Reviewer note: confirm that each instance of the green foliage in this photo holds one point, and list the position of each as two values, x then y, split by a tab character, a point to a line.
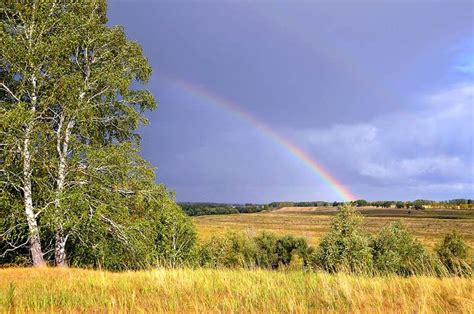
288	248
69	118
197	209
176	237
266	250
126	246
200	209
361	203
387	204
297	204
453	253
250	208
345	247
152	230
274	251
396	251
418	204
231	250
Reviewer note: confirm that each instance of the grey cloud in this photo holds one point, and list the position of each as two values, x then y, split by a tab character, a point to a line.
433	143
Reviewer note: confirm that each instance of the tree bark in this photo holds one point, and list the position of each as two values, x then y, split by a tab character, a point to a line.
35	240
62	146
60	249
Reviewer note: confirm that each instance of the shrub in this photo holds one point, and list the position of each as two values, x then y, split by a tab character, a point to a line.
230	250
345	247
288	247
396	251
273	251
360	203
99	249
160	234
453	254
418	205
175	237
267	256
236	250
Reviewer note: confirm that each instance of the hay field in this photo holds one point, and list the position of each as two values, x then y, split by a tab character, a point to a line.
51	290
429	226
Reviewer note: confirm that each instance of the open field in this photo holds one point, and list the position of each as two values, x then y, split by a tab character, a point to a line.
429	226
185	290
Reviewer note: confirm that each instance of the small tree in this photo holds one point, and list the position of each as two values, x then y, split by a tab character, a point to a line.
360	203
453	253
287	247
345	247
418	205
396	251
267	256
387	204
399	204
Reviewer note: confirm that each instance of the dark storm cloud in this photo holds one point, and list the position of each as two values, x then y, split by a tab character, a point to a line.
365	87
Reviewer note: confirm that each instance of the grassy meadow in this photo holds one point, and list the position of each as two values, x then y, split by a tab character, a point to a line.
202	290
429	225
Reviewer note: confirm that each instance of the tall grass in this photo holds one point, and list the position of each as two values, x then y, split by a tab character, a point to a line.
206	290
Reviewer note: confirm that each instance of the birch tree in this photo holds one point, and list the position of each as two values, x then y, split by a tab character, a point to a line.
98	107
69	141
31	40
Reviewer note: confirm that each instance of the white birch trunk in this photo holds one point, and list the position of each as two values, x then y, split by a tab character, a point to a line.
62	146
26	151
35	239
60	248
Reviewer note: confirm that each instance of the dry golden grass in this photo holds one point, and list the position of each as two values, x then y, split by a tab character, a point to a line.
428	226
215	291
26	290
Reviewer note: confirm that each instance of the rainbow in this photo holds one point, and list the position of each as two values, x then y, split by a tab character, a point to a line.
294	150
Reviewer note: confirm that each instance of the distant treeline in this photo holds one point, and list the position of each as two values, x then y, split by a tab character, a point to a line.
274	205
199	209
416	204
420	204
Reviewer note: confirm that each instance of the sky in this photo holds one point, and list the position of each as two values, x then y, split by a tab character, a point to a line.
262	101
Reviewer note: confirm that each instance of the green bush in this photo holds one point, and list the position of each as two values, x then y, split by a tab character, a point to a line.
159	235
453	254
288	247
345	247
236	250
267	256
418	205
400	204
396	251
99	248
175	237
232	250
273	251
